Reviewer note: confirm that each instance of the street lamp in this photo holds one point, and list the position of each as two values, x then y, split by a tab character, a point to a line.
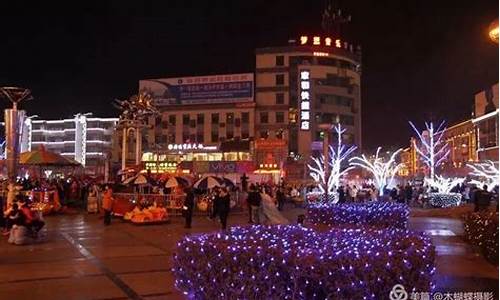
14	120
493	31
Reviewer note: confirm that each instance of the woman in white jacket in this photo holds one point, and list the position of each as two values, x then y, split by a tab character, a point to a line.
269	213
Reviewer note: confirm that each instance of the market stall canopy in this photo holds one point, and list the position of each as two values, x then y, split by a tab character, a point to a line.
208	182
42	157
137	180
175	181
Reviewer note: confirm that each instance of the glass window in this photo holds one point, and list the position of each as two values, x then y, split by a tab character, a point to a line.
280	60
280	98
192	123
229	118
215	118
171	120
200	119
280	117
185	119
245	117
264	117
280	79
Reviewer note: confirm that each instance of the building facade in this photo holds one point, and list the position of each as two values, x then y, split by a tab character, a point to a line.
312	80
84	138
486	123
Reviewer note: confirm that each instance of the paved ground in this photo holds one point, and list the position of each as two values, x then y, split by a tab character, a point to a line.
82	259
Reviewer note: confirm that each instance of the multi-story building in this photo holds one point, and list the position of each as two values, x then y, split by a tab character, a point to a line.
84	138
310	81
486	123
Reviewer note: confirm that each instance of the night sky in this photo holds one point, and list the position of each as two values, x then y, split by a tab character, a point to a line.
421	59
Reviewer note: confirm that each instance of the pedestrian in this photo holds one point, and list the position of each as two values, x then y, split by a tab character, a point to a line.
280	198
188	206
33	222
223	205
341	193
482	199
215	199
107	205
254	200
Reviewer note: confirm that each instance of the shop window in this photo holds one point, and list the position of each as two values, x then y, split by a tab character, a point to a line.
200	119
280	79
185	119
245	117
171	120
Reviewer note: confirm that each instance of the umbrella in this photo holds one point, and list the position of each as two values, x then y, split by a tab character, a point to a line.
176	181
207	182
137	180
227	182
42	157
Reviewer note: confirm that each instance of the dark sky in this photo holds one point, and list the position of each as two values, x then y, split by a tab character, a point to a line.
421	59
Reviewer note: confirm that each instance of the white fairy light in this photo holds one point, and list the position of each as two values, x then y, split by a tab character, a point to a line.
433	149
442	184
336	156
488	171
383	172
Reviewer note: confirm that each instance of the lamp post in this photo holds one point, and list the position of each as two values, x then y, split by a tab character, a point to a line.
14	120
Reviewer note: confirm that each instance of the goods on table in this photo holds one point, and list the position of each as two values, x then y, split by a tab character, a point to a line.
44	207
151	214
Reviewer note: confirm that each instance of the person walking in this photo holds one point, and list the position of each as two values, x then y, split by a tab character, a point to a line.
107	205
254	200
223	205
188	206
280	198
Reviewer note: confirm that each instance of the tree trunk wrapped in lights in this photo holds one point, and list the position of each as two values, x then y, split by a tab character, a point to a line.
383	172
433	149
487	171
337	155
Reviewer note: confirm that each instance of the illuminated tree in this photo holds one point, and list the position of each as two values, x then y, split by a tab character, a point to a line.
488	171
443	185
337	155
383	172
433	150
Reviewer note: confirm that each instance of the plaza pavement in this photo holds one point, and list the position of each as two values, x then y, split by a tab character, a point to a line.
81	259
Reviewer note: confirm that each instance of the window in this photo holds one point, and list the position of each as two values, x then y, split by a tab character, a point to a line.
164	124
185	137
215	118
215	136
171	139
171	120
335	100
229	135
192	123
280	117
199	137
264	117
185	119
157	121
264	134
230	118
245	117
280	79
280	98
200	119
280	60
244	134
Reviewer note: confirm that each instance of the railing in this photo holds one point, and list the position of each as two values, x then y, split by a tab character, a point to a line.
173	203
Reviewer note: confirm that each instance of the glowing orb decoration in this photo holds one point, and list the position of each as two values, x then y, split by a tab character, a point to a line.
493	31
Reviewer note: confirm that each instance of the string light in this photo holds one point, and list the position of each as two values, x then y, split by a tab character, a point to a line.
341	255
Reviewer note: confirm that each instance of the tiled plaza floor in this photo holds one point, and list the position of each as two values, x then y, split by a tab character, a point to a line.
81	259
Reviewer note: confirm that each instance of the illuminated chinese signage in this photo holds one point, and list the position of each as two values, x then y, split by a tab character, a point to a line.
324	41
161	166
305	99
190	146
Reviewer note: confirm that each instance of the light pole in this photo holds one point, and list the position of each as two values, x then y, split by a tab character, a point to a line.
14	120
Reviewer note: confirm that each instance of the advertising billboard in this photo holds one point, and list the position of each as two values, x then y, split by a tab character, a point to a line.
228	88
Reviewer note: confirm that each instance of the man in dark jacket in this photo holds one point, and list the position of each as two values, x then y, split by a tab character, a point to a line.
482	199
188	206
222	205
253	201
